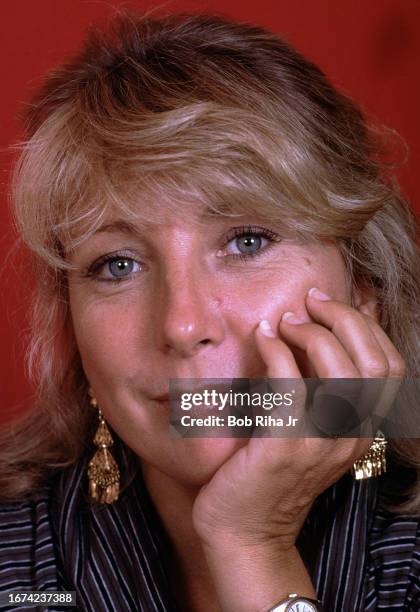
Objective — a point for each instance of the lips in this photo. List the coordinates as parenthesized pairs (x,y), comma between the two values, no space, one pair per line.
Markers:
(221,386)
(173,407)
(178,394)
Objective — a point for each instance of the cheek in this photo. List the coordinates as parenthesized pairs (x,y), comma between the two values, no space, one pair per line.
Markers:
(108,336)
(288,288)
(283,289)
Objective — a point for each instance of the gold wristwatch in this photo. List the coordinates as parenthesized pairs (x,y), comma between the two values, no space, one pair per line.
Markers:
(296,603)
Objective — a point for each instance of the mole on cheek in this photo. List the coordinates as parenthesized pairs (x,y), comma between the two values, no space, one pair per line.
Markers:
(308,261)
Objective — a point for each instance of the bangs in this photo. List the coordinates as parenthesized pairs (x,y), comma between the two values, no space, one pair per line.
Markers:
(185,162)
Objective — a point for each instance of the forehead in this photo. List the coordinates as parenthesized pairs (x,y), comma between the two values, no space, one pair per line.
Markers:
(150,215)
(142,208)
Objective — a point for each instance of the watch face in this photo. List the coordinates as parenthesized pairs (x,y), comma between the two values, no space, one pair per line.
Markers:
(301,606)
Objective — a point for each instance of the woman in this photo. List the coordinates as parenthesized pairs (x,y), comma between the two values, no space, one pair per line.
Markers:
(200,202)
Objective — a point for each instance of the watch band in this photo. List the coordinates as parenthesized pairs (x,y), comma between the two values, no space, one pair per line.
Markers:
(294,598)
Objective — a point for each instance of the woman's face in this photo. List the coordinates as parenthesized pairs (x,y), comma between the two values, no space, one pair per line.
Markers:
(176,300)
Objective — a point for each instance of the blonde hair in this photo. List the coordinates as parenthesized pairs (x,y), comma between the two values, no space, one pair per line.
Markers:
(187,109)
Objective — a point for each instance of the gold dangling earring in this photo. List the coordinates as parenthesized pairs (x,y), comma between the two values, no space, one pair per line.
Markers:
(373,463)
(103,472)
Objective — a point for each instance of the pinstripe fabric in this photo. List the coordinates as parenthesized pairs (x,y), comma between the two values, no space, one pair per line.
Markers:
(360,557)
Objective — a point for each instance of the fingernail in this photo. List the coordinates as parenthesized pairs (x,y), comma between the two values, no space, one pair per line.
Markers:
(290,317)
(266,329)
(318,295)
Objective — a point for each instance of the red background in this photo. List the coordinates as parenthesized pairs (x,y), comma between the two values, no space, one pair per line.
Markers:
(370,50)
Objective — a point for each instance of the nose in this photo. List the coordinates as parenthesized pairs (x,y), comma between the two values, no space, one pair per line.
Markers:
(191,318)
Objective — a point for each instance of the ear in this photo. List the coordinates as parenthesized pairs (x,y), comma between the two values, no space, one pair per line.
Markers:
(364,299)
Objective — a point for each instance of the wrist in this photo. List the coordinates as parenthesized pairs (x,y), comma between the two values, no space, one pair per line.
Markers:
(259,544)
(294,602)
(254,578)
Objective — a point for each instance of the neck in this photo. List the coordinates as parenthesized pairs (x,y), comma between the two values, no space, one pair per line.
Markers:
(190,575)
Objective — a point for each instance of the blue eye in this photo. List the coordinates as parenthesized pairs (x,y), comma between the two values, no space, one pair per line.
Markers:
(243,243)
(248,243)
(121,267)
(251,241)
(114,267)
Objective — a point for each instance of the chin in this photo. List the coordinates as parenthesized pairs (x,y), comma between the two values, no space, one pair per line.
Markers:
(196,460)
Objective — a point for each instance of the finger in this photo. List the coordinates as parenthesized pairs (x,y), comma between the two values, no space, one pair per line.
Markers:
(336,408)
(283,372)
(397,366)
(277,355)
(326,353)
(353,331)
(380,397)
(368,348)
(397,370)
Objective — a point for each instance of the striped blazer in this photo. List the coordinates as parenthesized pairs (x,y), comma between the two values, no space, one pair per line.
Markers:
(361,558)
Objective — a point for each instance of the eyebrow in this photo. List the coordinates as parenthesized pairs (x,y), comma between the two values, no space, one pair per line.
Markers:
(125,227)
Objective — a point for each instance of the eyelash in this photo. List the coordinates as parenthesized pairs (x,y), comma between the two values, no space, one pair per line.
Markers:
(236,232)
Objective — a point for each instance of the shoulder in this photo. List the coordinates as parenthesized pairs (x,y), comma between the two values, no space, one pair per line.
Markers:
(28,547)
(22,521)
(393,576)
(394,538)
